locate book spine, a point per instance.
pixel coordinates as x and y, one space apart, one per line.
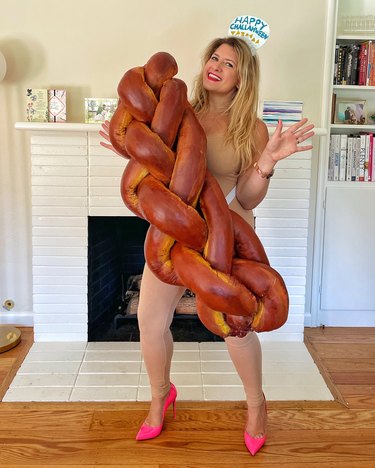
340 58
343 67
331 159
371 157
349 65
335 65
363 60
354 77
358 156
369 64
362 157
355 159
371 77
349 161
343 151
367 154
336 153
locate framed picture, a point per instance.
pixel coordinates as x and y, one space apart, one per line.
99 109
350 112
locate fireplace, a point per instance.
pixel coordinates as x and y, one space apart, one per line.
74 180
115 265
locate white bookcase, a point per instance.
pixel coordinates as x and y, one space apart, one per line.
344 252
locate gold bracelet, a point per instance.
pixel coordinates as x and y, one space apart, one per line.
261 173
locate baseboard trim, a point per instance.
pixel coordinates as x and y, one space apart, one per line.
22 319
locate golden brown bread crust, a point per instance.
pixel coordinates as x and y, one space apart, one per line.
194 239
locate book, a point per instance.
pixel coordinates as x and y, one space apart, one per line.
336 156
349 159
336 64
363 64
371 158
340 64
362 157
354 64
354 71
343 155
37 105
371 64
56 105
289 112
368 164
357 150
367 157
331 159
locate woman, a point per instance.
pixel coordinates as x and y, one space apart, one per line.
242 159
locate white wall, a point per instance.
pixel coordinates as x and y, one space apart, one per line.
85 46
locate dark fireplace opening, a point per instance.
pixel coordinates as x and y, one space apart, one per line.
115 265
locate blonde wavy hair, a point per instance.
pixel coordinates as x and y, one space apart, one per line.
244 107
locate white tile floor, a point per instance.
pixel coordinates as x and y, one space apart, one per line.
115 371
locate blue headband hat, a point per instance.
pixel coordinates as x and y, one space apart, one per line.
255 31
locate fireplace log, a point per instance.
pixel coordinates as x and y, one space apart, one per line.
186 305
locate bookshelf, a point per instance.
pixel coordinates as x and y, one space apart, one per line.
344 254
351 156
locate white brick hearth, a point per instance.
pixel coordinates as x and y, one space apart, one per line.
73 177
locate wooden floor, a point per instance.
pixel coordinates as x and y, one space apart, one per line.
301 434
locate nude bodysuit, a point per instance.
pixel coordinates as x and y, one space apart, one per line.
158 301
222 165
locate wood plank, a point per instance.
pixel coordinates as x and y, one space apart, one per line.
114 420
278 419
360 401
325 372
11 360
366 390
343 333
345 350
89 466
199 434
206 434
226 446
28 419
349 365
353 378
291 464
339 330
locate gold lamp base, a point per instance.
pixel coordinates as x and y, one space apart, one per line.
9 337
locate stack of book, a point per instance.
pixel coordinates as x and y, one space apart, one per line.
289 112
354 64
352 158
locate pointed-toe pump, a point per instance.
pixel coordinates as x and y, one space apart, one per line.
150 432
254 444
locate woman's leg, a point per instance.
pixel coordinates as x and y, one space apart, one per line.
157 303
246 355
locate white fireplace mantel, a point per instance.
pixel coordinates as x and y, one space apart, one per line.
93 127
73 177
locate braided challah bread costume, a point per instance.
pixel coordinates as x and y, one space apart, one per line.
194 240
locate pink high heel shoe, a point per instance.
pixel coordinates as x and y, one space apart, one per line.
150 432
254 444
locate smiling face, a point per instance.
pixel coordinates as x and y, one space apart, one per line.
220 73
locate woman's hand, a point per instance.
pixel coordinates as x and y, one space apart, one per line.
105 134
283 144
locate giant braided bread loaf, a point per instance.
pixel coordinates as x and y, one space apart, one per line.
194 239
